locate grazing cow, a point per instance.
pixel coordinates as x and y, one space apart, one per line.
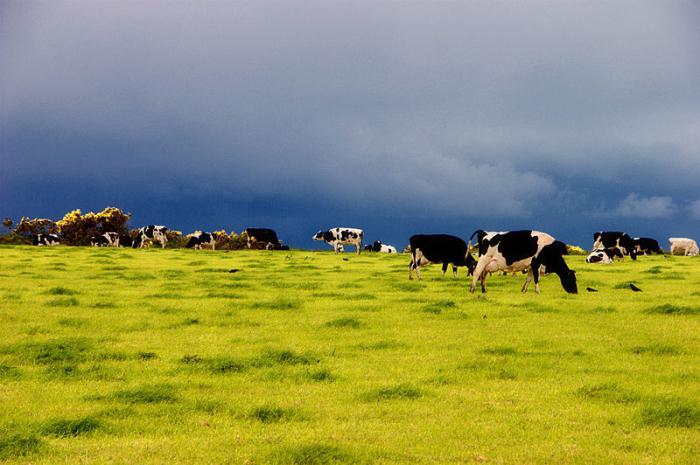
604 256
341 236
200 239
439 248
377 246
45 239
125 240
683 244
646 246
514 251
262 238
108 239
150 234
622 241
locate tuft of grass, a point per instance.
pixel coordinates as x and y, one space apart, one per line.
656 349
190 359
64 428
280 303
344 323
320 376
148 394
62 302
670 309
271 414
72 322
311 454
604 309
380 345
7 372
670 413
223 365
146 355
282 357
608 392
359 296
60 290
51 351
401 391
190 321
14 446
504 350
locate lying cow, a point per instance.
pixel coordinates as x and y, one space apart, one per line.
604 256
646 246
150 234
683 244
108 239
439 248
45 239
262 238
125 240
608 239
341 236
200 239
514 251
377 246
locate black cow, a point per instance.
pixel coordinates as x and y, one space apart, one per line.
200 239
45 239
514 251
125 240
646 246
439 248
262 238
620 240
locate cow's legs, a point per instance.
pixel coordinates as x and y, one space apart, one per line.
454 271
335 248
527 281
483 282
410 270
478 271
358 247
444 268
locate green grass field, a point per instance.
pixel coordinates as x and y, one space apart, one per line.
163 356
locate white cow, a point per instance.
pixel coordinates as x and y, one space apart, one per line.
684 244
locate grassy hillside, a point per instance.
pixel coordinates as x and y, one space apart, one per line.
164 356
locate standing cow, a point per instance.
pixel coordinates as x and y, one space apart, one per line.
150 234
514 251
683 244
262 238
646 246
108 239
341 236
609 239
45 239
200 239
439 248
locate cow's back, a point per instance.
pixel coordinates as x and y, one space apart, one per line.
439 247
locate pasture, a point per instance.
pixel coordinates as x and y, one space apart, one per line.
164 356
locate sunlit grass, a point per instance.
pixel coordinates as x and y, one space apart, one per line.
163 356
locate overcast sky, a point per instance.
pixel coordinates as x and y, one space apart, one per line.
397 117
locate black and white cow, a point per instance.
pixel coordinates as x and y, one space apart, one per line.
514 251
646 246
377 246
683 244
200 239
439 248
622 241
150 234
604 256
341 236
108 239
45 239
262 238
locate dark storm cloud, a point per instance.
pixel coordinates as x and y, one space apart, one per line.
514 113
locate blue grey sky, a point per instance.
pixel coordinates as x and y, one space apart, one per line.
397 117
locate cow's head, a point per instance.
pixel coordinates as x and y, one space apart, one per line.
568 281
471 263
318 236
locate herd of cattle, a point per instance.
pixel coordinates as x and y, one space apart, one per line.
533 253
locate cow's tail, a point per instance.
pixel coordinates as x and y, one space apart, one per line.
479 233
